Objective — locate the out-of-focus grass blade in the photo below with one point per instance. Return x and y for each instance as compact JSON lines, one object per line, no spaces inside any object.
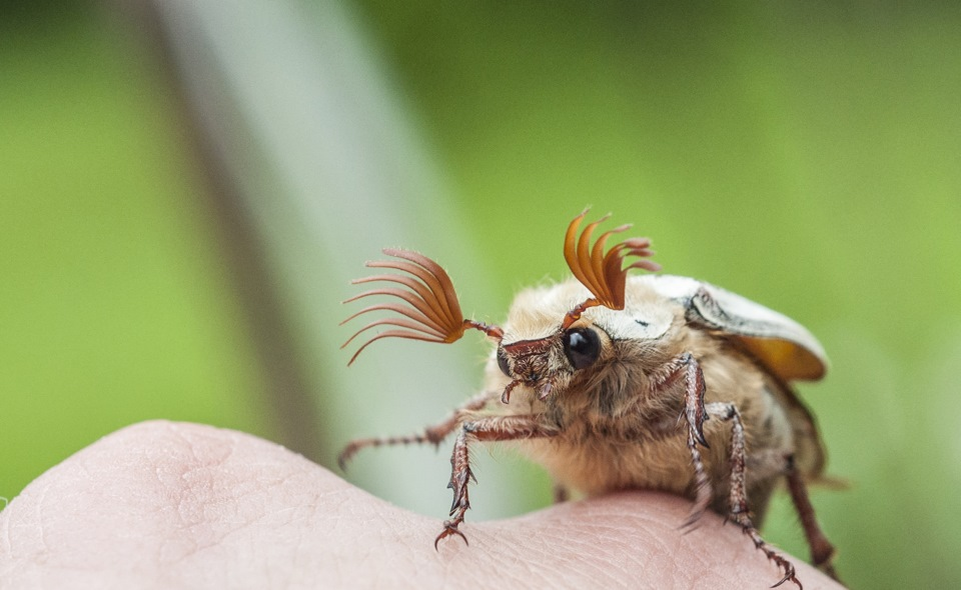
{"x":300,"y":116}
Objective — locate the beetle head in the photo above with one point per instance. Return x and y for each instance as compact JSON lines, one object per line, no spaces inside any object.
{"x":570,"y":343}
{"x":533,"y":363}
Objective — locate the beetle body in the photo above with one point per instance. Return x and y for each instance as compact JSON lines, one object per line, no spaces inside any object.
{"x":617,"y":425}
{"x":614,"y":382}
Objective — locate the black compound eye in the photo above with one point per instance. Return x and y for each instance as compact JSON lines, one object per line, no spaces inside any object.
{"x":582,"y":347}
{"x":502,"y":363}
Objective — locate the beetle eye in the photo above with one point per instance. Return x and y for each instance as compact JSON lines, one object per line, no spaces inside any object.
{"x":502,"y":362}
{"x":582,"y":347}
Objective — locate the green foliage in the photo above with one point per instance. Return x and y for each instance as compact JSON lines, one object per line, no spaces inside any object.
{"x":115,"y":306}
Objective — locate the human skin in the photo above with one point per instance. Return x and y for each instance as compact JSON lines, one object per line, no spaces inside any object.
{"x":175,"y":505}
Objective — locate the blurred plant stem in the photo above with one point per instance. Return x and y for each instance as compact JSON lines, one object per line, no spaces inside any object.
{"x":287,"y":389}
{"x":313,"y":167}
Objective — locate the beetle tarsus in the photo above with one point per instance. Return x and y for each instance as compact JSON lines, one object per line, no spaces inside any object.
{"x":450,"y":528}
{"x":702,"y":485}
{"x":739,"y":509}
{"x":490,"y":428}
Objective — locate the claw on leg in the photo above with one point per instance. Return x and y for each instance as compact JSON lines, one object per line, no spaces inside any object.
{"x":450,"y":528}
{"x":491,"y":428}
{"x":739,"y":511}
{"x":461,"y":475}
{"x":779,"y":560}
{"x":697,"y":412}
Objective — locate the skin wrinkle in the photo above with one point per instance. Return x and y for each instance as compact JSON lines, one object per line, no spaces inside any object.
{"x":572,"y":559}
{"x":586,"y":544}
{"x":241,"y":504}
{"x":594,"y":565}
{"x":374,"y":519}
{"x":521,"y":562}
{"x":678,"y":572}
{"x":594,"y":570}
{"x":187,"y":504}
{"x":514,"y":562}
{"x":660,"y":550}
{"x":695,"y":562}
{"x":401,"y":531}
{"x":216,"y":505}
{"x":280,"y":521}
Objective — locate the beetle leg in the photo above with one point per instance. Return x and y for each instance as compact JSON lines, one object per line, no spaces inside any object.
{"x":561,"y":493}
{"x":491,"y":428}
{"x":822,"y":552}
{"x":740,"y":513}
{"x":702,"y":484}
{"x":686,"y":367}
{"x":434,"y":434}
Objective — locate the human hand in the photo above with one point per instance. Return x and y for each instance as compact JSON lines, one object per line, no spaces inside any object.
{"x":172,"y":505}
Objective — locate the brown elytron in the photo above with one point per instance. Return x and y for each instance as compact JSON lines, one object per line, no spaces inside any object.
{"x":644,"y":371}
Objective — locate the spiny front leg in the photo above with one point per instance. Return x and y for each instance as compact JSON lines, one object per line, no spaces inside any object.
{"x":492,"y":428}
{"x":432,"y":434}
{"x":686,"y":368}
{"x":739,"y":511}
{"x":460,"y":476}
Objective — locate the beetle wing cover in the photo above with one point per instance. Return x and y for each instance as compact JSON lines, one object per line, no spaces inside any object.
{"x":785,"y":347}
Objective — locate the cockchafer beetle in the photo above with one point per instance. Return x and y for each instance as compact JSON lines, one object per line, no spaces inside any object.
{"x":614,"y":382}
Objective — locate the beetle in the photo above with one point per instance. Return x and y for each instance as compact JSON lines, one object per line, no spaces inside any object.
{"x":616,"y":382}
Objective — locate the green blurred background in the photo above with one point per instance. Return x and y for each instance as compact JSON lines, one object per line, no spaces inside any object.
{"x":805,"y":156}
